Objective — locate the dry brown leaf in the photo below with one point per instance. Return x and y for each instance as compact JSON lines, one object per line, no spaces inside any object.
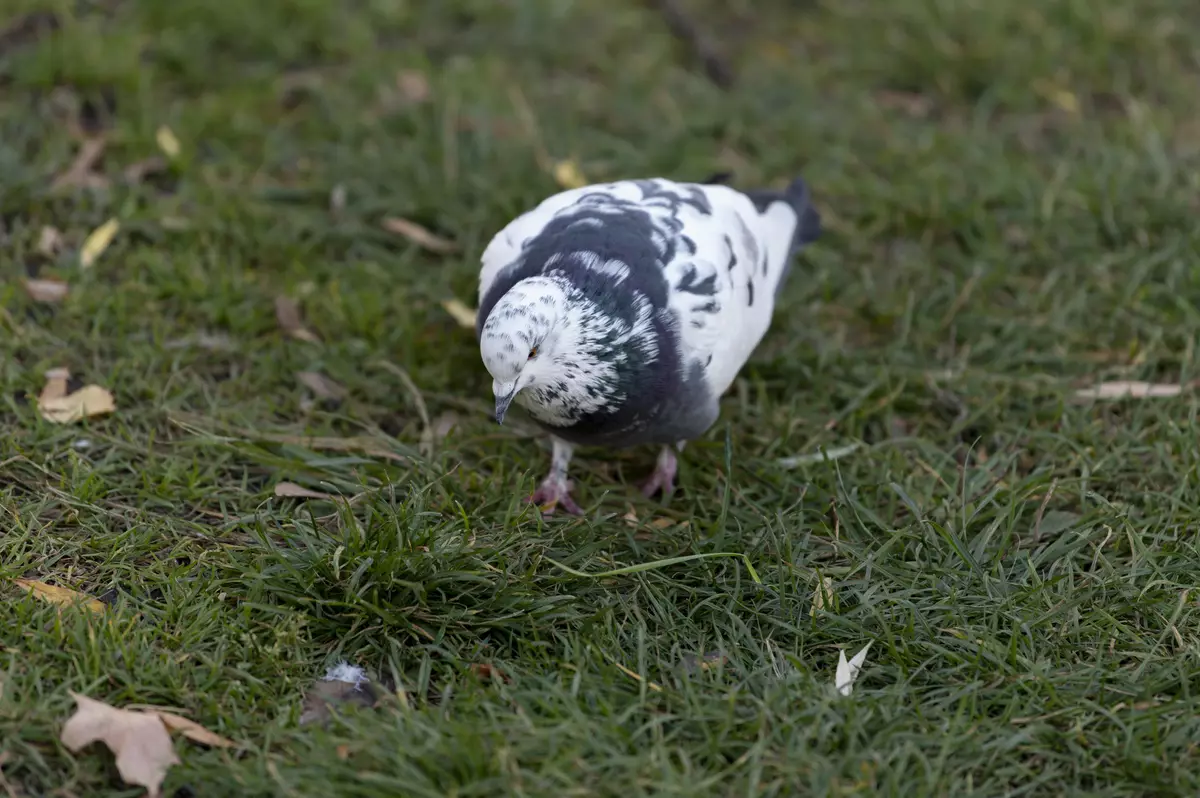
{"x":97,"y":241}
{"x":342,"y":751}
{"x":631,"y":517}
{"x":50,"y":241}
{"x":90,"y":400}
{"x":56,"y":384}
{"x":419,"y":235}
{"x":45,"y":290}
{"x":167,"y":142}
{"x":62,"y":596}
{"x":1121,"y":389}
{"x":139,"y":740}
{"x":460,"y":313}
{"x":413,"y":85}
{"x":435,"y":433}
{"x":822,"y":594}
{"x":322,"y":387}
{"x":287,"y":313}
{"x":487,"y":671}
{"x":293,"y":491}
{"x":193,"y":730}
{"x":79,"y":174}
{"x":567,"y":175}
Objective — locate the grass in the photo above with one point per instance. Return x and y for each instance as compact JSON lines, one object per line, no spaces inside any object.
{"x":1010,"y":197}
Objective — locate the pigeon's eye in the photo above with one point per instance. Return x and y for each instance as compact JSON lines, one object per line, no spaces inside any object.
{"x":533,"y":353}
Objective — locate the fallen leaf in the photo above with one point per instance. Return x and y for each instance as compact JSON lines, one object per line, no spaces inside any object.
{"x":435,"y":433}
{"x":342,"y":684}
{"x":322,"y":387}
{"x":79,"y":174}
{"x":822,"y":456}
{"x":342,"y":751}
{"x":62,"y":596}
{"x":139,"y":740}
{"x":45,"y":290}
{"x":98,"y":241}
{"x":487,"y":671}
{"x":663,"y":523}
{"x":1129,"y":390}
{"x":822,"y":594}
{"x":50,"y":241}
{"x":419,"y":235}
{"x":287,"y":313}
{"x":847,"y":672}
{"x":167,"y":142}
{"x":567,"y":175}
{"x":90,"y":400}
{"x":460,"y":313}
{"x":630,"y":517}
{"x":413,"y":85}
{"x":294,"y":491}
{"x":56,"y":384}
{"x":138,"y":171}
{"x":193,"y":730}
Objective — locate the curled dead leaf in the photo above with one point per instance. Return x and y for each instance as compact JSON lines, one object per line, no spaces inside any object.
{"x":46,"y":290}
{"x":193,"y":730}
{"x":287,"y":313}
{"x":419,"y":235}
{"x":79,"y":174}
{"x":462,"y":314}
{"x":56,"y":384}
{"x":322,"y":387}
{"x":88,"y":401}
{"x":567,"y":175}
{"x":61,"y":596}
{"x":98,"y":241}
{"x":822,"y":594}
{"x":139,"y":740}
{"x":293,"y":491}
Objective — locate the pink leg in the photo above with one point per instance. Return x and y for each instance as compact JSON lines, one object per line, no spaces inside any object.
{"x":663,"y":477}
{"x":555,"y":490}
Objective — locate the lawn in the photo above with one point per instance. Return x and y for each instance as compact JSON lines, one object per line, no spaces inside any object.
{"x":1009,"y":193}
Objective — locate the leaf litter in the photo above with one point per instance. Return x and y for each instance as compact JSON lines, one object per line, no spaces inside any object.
{"x":462,"y":314}
{"x":293,"y":491}
{"x":138,"y":736}
{"x":46,"y":290}
{"x":80,"y":173}
{"x":60,"y":407}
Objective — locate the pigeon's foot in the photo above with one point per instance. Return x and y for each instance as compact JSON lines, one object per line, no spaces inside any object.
{"x":555,"y":492}
{"x":663,"y":477}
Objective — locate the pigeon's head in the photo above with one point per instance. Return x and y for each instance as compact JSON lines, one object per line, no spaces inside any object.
{"x":557,"y":351}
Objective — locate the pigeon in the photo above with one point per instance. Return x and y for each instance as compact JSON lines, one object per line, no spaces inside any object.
{"x":617,"y":314}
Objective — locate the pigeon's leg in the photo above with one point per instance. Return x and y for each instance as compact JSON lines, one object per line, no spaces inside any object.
{"x":663,"y":477}
{"x":555,"y":490}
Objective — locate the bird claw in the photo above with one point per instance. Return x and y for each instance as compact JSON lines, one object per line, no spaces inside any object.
{"x":662,"y":478}
{"x":555,"y":493}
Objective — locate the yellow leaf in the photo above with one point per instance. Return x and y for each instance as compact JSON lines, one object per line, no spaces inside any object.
{"x":62,"y":596}
{"x":567,"y":174}
{"x":97,"y":242}
{"x":167,"y":142}
{"x":90,"y":400}
{"x":139,"y":740}
{"x":419,"y":235}
{"x":461,"y":313}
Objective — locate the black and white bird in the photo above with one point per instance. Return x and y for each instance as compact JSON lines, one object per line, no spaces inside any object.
{"x":617,"y":314}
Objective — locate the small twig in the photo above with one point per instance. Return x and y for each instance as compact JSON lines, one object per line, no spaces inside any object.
{"x":716,"y":67}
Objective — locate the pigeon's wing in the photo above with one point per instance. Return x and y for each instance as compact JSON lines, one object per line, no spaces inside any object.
{"x":724,"y":293}
{"x":505,"y":248}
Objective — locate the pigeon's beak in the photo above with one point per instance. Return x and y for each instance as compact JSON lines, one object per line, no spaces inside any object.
{"x":504,"y":396}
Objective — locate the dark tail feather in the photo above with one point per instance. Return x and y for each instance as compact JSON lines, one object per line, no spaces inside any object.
{"x":808,"y":226}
